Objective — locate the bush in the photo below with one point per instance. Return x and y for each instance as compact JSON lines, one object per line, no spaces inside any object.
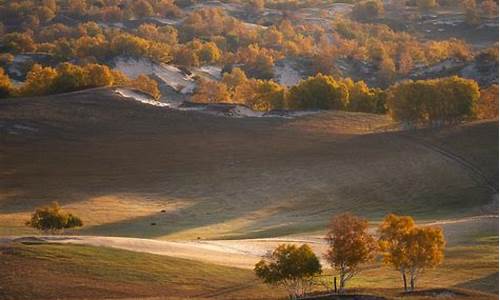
{"x":52,"y":218}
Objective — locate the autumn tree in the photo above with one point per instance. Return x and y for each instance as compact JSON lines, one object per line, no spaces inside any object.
{"x":437,"y":101}
{"x":146,"y":85}
{"x":471,"y":12}
{"x":39,"y":81}
{"x":17,"y":42}
{"x":5,"y":84}
{"x":142,"y":8}
{"x":318,"y":92}
{"x":350,"y":245}
{"x":489,"y":8}
{"x":410,"y":249}
{"x":368,"y":10}
{"x":53,"y":218}
{"x":426,"y":5}
{"x":211,"y":92}
{"x":364,"y":99}
{"x":291,"y":267}
{"x":488,"y":103}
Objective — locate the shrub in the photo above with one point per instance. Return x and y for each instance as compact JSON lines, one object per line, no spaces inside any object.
{"x":52,"y":218}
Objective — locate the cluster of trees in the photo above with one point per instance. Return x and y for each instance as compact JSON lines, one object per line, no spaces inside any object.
{"x":31,"y":13}
{"x":445,"y":100}
{"x":408,"y":248}
{"x":435,"y":102}
{"x":318,"y":92}
{"x":368,"y":10}
{"x":236,"y":87}
{"x":210,"y":36}
{"x":67,"y":77}
{"x":53,"y":219}
{"x":393,"y":53}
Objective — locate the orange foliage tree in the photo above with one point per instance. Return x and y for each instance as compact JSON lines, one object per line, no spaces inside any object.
{"x":350,"y":245}
{"x":487,"y":106}
{"x":5,"y":84}
{"x":410,"y":249}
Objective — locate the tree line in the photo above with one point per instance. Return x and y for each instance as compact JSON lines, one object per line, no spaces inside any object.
{"x":407,"y":248}
{"x":429,"y":102}
{"x":68,"y":77}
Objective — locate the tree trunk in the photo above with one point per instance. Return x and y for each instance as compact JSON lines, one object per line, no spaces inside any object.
{"x":404,"y":282}
{"x":412,"y":283}
{"x":342,"y":283}
{"x":335,"y":284}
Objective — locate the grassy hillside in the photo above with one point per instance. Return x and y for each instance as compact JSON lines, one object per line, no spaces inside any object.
{"x":82,"y":272}
{"x":45,"y":271}
{"x":118,"y":164}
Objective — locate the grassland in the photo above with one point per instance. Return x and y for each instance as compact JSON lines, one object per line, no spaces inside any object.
{"x":46,"y":271}
{"x":122,"y":166}
{"x":50,"y":271}
{"x":119,"y":164}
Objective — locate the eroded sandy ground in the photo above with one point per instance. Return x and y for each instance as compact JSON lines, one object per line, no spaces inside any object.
{"x":246,"y":252}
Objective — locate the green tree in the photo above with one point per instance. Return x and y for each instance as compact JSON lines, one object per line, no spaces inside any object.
{"x":53,"y":219}
{"x":291,"y":267}
{"x":318,"y":92}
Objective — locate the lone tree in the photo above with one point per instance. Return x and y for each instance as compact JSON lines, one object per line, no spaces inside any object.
{"x":291,"y":267}
{"x":410,"y":249}
{"x":52,"y":219}
{"x":350,"y":246}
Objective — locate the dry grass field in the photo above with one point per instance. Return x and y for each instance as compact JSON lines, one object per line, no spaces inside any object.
{"x":132,"y":170}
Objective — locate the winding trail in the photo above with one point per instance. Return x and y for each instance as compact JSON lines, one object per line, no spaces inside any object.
{"x":476,"y":174}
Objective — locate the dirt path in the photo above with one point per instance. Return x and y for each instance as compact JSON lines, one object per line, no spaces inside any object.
{"x":245,"y":253}
{"x":474,"y":171}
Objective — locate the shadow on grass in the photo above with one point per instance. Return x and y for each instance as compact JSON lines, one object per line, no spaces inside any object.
{"x":487,"y":283}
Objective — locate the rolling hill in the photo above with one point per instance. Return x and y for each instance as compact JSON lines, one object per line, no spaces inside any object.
{"x":135,"y":170}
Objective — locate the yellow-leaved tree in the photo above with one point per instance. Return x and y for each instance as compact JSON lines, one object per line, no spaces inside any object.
{"x":5,"y":84}
{"x":410,"y":249}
